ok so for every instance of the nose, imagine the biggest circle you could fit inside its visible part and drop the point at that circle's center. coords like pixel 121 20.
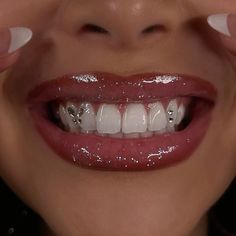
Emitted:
pixel 121 23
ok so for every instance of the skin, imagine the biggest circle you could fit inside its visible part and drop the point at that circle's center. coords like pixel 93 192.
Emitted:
pixel 75 201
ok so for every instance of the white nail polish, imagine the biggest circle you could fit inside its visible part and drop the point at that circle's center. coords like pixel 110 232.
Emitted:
pixel 20 36
pixel 219 23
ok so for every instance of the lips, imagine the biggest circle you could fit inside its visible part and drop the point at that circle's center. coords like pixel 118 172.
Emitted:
pixel 90 150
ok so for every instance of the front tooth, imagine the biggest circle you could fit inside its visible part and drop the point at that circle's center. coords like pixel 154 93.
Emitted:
pixel 68 116
pixel 134 119
pixel 180 115
pixel 171 113
pixel 108 119
pixel 87 117
pixel 156 117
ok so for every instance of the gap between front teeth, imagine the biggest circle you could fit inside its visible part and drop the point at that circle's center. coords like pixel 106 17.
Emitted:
pixel 136 120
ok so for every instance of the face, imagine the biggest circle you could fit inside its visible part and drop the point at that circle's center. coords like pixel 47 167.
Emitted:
pixel 135 37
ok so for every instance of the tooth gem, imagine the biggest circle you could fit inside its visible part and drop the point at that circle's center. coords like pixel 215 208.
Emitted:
pixel 172 110
pixel 81 111
pixel 71 111
pixel 76 115
pixel 87 117
pixel 79 115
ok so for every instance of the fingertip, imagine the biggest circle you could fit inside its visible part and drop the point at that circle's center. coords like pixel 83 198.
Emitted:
pixel 20 36
pixel 12 39
pixel 8 61
pixel 219 22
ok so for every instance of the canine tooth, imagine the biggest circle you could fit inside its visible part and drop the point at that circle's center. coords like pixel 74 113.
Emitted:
pixel 157 119
pixel 171 113
pixel 68 117
pixel 87 117
pixel 180 115
pixel 108 119
pixel 134 119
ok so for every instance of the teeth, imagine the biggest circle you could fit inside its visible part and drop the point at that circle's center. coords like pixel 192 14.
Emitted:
pixel 134 123
pixel 157 117
pixel 134 119
pixel 108 119
pixel 171 113
pixel 87 117
pixel 62 115
pixel 68 116
pixel 180 115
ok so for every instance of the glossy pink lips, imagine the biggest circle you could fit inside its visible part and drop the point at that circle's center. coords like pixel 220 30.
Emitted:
pixel 106 153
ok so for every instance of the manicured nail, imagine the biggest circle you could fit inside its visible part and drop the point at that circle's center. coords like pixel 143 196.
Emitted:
pixel 220 23
pixel 19 36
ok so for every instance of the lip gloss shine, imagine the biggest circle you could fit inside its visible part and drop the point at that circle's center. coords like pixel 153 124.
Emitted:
pixel 106 153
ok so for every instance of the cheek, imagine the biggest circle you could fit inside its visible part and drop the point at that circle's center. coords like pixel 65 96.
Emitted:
pixel 26 12
pixel 208 7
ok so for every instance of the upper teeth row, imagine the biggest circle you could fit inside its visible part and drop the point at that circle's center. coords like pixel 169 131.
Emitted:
pixel 109 120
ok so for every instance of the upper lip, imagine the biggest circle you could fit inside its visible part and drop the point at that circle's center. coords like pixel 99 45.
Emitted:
pixel 107 87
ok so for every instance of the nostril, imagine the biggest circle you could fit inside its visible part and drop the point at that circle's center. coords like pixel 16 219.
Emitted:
pixel 91 28
pixel 154 29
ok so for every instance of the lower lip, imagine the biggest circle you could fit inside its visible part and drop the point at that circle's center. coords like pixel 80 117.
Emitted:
pixel 105 153
pixel 92 151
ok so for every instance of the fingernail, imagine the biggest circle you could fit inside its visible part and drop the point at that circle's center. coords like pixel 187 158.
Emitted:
pixel 19 36
pixel 219 22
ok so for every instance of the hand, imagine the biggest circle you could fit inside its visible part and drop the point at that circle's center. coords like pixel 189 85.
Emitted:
pixel 225 24
pixel 11 40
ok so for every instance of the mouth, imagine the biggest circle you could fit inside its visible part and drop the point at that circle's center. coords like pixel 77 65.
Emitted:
pixel 110 122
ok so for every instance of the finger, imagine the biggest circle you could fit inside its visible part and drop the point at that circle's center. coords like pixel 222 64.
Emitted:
pixel 11 40
pixel 7 61
pixel 225 24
